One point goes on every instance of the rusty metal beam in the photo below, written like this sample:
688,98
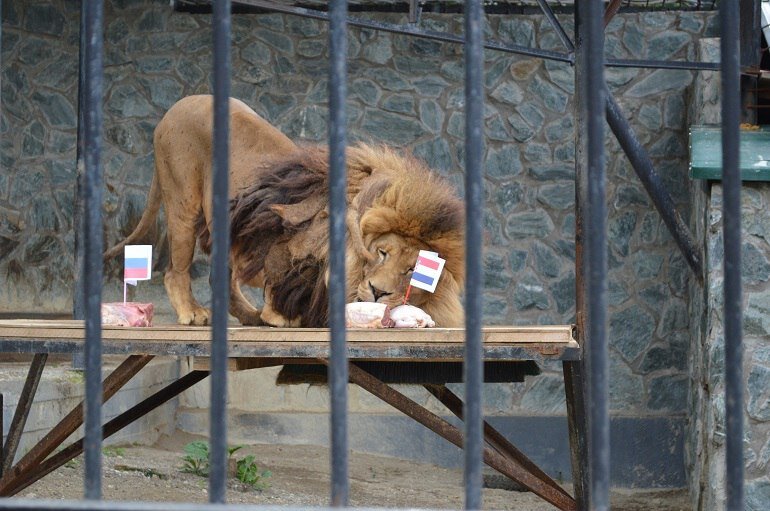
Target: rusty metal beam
493,437
22,409
449,432
121,421
611,10
656,190
69,424
576,423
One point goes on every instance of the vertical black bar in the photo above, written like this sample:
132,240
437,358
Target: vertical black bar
580,473
596,258
92,270
338,368
731,182
3,454
220,276
751,54
78,305
473,370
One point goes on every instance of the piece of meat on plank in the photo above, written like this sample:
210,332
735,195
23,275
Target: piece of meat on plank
367,315
127,314
409,316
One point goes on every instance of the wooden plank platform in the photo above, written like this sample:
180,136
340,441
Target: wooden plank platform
428,344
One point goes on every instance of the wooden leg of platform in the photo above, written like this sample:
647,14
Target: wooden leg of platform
22,409
502,464
121,421
578,430
112,383
493,437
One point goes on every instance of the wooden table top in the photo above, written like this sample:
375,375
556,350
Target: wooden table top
424,344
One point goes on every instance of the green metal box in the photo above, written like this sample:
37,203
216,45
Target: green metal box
706,153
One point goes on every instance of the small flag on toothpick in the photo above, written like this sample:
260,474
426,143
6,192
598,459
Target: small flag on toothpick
426,272
137,265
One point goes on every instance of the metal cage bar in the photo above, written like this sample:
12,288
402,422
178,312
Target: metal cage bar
92,273
595,269
220,275
473,369
731,212
338,368
591,225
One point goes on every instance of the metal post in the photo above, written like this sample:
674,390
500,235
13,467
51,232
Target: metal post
731,213
338,368
595,256
92,271
656,190
473,369
751,55
220,275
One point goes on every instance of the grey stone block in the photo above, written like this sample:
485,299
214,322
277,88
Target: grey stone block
631,331
529,224
668,393
660,81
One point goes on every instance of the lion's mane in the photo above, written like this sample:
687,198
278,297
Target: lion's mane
280,231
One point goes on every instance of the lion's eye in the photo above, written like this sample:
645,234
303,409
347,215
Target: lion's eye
382,254
410,270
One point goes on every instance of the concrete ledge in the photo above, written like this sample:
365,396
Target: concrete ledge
646,452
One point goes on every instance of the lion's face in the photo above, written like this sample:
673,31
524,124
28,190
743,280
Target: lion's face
386,277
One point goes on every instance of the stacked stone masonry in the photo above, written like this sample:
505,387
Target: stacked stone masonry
706,367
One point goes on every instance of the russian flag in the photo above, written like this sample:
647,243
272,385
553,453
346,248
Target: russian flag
138,263
427,270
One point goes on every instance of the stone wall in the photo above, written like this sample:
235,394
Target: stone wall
404,91
706,432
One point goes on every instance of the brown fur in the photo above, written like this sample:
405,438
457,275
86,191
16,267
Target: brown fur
279,220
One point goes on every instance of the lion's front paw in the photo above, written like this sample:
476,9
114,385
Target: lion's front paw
198,317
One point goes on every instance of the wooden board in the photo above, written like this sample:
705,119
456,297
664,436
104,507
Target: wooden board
73,329
500,342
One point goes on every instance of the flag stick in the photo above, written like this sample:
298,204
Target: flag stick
406,296
124,291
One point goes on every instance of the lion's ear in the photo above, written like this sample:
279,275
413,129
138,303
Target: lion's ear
372,189
296,214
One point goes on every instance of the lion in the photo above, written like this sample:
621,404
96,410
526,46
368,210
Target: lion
279,220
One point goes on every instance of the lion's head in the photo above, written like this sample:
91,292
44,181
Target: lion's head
397,206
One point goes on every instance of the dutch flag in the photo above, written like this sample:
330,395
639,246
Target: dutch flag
138,263
427,270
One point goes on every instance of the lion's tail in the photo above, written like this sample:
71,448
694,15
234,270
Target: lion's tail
148,217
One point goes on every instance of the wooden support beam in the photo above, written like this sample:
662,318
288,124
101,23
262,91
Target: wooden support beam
449,432
121,421
22,410
69,424
493,437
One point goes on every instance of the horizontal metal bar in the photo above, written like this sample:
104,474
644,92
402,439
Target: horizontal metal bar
407,30
663,64
104,505
491,45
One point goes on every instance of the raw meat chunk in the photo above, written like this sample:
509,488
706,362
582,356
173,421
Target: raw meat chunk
409,316
127,314
367,315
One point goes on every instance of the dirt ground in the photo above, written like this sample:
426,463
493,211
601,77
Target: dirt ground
300,477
